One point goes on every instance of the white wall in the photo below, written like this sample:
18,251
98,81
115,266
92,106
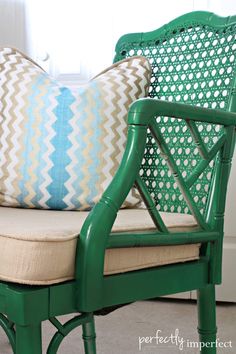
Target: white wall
223,7
12,24
84,28
230,214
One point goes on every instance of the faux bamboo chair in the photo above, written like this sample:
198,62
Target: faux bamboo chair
180,144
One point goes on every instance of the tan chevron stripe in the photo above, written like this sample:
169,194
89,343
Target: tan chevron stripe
147,75
138,79
21,125
3,104
130,87
14,142
118,115
34,153
115,82
132,199
86,152
135,194
107,135
8,112
116,123
114,88
4,89
143,78
102,129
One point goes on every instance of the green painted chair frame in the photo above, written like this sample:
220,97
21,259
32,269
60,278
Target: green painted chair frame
182,101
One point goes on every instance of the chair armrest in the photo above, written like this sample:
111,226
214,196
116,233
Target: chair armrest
94,234
143,110
93,238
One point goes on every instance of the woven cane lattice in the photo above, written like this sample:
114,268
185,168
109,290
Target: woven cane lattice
193,64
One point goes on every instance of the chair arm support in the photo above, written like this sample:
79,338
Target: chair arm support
93,239
94,234
143,110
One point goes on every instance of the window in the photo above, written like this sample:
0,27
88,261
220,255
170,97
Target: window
74,40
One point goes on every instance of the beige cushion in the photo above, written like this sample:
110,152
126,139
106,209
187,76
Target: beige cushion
38,246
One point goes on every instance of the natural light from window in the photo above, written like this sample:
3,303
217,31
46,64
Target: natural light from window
75,40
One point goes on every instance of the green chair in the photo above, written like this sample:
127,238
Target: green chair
180,144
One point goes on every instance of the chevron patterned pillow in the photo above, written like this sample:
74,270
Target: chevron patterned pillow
60,147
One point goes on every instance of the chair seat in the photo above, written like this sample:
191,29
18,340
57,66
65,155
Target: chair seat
38,246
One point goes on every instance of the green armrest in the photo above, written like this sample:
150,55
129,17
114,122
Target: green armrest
143,110
94,237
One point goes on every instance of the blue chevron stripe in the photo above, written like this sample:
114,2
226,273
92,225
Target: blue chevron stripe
59,157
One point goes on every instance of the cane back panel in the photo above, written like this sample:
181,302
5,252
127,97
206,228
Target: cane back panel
193,61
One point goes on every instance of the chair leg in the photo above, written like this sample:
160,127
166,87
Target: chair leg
207,319
89,337
28,339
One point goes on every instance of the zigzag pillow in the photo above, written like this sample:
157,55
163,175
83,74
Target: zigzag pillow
59,148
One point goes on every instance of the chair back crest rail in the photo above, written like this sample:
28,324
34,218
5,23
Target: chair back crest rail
185,162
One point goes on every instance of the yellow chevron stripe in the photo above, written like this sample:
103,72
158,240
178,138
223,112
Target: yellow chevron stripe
89,146
34,154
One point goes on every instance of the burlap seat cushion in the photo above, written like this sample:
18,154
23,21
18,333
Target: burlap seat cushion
38,246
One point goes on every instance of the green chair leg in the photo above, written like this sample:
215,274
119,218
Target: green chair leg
89,337
207,320
28,339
